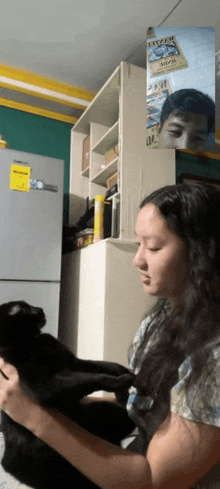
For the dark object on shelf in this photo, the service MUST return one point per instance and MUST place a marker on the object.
(113, 190)
(70, 232)
(69, 242)
(117, 220)
(107, 219)
(87, 220)
(57, 380)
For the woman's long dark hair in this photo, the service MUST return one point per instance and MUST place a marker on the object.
(193, 212)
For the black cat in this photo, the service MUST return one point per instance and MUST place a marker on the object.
(52, 375)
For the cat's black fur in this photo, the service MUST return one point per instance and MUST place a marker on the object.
(52, 375)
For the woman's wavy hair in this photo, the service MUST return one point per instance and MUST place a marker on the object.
(193, 212)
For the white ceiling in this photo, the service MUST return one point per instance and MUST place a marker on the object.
(81, 42)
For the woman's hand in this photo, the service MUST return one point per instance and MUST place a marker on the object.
(13, 400)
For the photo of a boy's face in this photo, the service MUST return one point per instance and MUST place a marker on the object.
(184, 131)
(187, 121)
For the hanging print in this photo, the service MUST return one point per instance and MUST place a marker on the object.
(165, 55)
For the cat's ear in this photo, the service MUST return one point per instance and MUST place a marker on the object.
(15, 309)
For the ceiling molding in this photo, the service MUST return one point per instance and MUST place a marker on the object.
(39, 92)
(43, 82)
(37, 111)
(20, 81)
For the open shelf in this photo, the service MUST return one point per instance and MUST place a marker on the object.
(114, 196)
(101, 177)
(86, 172)
(104, 108)
(107, 141)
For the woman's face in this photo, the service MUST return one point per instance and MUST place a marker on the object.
(161, 256)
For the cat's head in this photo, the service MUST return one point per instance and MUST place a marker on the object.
(20, 323)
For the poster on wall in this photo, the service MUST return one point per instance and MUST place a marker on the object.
(165, 55)
(156, 95)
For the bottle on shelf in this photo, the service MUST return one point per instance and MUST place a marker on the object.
(99, 218)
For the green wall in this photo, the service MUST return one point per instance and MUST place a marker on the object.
(40, 135)
(189, 163)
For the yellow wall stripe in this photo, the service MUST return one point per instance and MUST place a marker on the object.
(44, 82)
(38, 111)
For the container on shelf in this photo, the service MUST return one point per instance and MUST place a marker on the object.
(84, 238)
(99, 218)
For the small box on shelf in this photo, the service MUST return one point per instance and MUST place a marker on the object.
(111, 154)
(86, 153)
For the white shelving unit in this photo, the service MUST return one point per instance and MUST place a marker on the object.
(102, 301)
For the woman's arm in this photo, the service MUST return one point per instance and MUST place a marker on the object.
(180, 453)
(105, 464)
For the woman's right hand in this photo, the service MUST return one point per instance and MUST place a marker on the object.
(18, 405)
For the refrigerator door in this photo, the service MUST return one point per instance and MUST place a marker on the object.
(31, 221)
(39, 294)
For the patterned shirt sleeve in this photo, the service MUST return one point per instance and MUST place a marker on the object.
(138, 339)
(181, 405)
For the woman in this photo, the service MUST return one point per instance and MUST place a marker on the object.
(175, 400)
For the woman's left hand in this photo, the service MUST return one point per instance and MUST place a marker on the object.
(13, 400)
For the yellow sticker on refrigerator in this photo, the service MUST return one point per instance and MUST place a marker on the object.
(19, 178)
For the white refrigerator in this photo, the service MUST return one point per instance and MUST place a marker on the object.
(31, 231)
